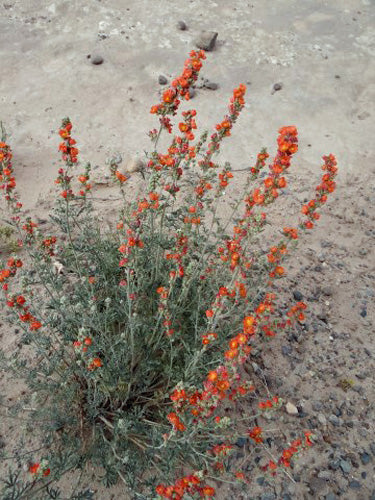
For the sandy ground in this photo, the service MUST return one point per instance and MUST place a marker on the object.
(322, 53)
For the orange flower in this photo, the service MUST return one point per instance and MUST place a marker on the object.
(121, 177)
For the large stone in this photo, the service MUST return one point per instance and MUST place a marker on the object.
(291, 409)
(206, 40)
(134, 164)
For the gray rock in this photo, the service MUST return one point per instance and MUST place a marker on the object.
(355, 485)
(334, 464)
(317, 405)
(210, 85)
(291, 409)
(206, 40)
(181, 25)
(322, 419)
(96, 59)
(297, 295)
(327, 290)
(334, 420)
(363, 313)
(365, 458)
(134, 165)
(268, 496)
(286, 350)
(346, 466)
(330, 496)
(277, 86)
(241, 441)
(325, 474)
(162, 80)
(372, 448)
(364, 115)
(317, 485)
(192, 93)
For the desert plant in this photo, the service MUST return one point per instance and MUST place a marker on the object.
(136, 340)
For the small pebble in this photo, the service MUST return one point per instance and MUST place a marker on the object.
(297, 295)
(322, 419)
(96, 59)
(365, 458)
(325, 474)
(241, 441)
(331, 496)
(277, 86)
(345, 466)
(317, 405)
(327, 290)
(355, 485)
(162, 80)
(181, 25)
(334, 420)
(192, 93)
(286, 350)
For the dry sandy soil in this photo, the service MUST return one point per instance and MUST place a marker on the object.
(322, 54)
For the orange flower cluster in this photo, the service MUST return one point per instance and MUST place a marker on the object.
(202, 187)
(325, 187)
(223, 128)
(69, 152)
(48, 245)
(81, 347)
(39, 470)
(233, 253)
(256, 434)
(188, 124)
(237, 102)
(296, 311)
(208, 338)
(180, 86)
(274, 257)
(188, 484)
(77, 344)
(290, 232)
(289, 453)
(18, 301)
(126, 248)
(174, 419)
(192, 220)
(120, 177)
(163, 307)
(181, 250)
(70, 157)
(146, 205)
(223, 178)
(83, 179)
(287, 145)
(220, 451)
(95, 363)
(8, 179)
(29, 226)
(260, 163)
(269, 404)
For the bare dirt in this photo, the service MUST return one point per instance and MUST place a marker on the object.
(322, 55)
